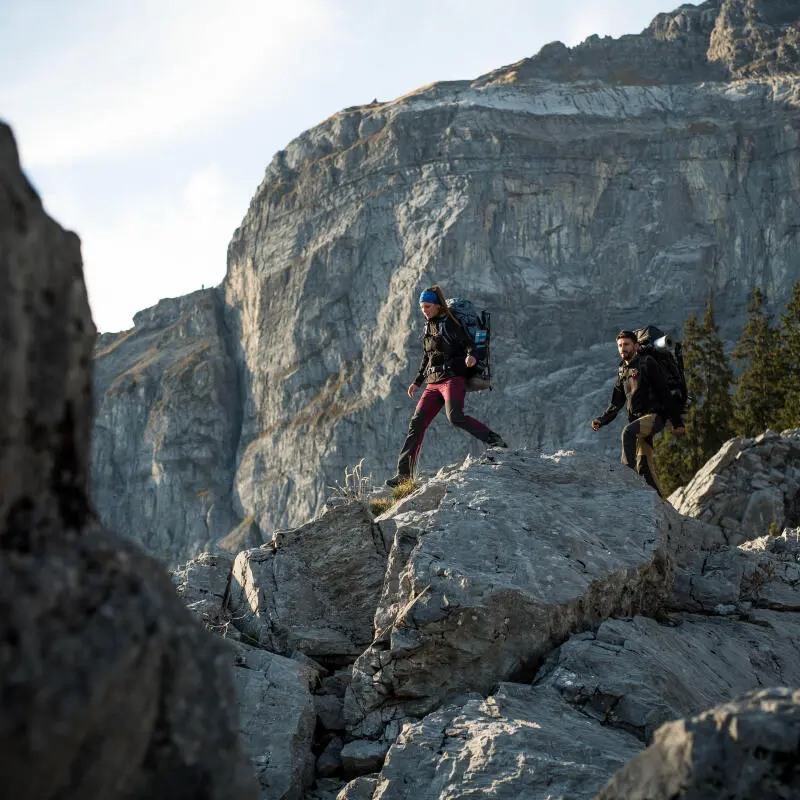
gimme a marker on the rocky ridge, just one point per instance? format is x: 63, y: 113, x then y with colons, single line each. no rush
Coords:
x: 582, y: 190
x: 540, y: 618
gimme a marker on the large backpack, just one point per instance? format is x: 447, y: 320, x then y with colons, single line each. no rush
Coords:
x: 478, y: 326
x: 668, y: 354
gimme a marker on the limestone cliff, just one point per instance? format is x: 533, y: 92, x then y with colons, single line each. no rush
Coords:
x: 582, y: 190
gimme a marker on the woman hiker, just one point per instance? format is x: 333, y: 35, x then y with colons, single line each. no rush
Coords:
x: 447, y: 357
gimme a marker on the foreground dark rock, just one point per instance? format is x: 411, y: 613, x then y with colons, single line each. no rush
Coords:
x: 743, y: 750
x: 108, y: 687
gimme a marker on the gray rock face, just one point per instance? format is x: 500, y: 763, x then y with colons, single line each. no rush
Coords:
x: 749, y: 486
x: 520, y: 742
x: 313, y: 589
x: 743, y: 750
x: 166, y: 428
x: 481, y: 588
x: 108, y: 688
x: 637, y: 674
x: 579, y: 191
x: 762, y: 573
x: 277, y: 720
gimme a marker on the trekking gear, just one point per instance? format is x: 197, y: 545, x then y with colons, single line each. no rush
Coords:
x: 668, y: 354
x: 479, y: 328
x: 396, y: 480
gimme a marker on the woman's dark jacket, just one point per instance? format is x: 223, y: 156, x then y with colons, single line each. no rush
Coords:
x: 446, y: 346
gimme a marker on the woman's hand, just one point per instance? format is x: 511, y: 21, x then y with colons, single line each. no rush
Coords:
x: 412, y: 390
x: 470, y: 361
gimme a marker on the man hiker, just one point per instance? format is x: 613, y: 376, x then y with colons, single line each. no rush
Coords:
x: 641, y: 386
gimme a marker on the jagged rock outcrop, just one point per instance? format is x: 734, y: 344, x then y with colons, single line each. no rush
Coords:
x: 108, y: 688
x: 582, y: 190
x: 751, y: 487
x: 313, y: 589
x: 531, y: 746
x: 743, y: 750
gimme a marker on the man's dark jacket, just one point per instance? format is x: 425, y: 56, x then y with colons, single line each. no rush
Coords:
x: 642, y: 387
x: 446, y: 345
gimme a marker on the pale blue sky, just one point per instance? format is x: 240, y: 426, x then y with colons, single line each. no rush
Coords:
x: 147, y: 125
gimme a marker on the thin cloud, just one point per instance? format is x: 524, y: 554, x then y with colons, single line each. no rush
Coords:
x: 153, y: 77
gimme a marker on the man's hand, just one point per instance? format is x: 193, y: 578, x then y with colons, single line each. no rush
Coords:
x: 596, y: 425
x: 679, y: 431
x: 412, y: 390
x: 470, y: 361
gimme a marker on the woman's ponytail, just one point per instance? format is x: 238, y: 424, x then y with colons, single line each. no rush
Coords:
x: 443, y: 303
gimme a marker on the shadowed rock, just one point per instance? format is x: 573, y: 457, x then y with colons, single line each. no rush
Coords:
x: 743, y: 750
x: 108, y: 688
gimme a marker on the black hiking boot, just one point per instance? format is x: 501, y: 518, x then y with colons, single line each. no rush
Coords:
x: 397, y: 480
x: 495, y: 440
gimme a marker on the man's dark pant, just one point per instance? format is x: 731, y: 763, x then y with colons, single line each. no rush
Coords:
x: 637, y: 446
x: 450, y: 395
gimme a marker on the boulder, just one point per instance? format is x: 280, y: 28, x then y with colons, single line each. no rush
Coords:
x: 313, y: 589
x: 522, y: 551
x: 637, y: 674
x: 277, y: 720
x: 751, y: 487
x: 742, y: 750
x: 761, y: 573
x: 109, y: 689
x: 520, y: 742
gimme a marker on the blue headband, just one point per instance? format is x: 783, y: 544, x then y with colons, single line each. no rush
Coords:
x: 429, y: 297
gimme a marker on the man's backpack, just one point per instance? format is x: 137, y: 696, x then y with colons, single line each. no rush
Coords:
x: 478, y: 326
x: 668, y: 354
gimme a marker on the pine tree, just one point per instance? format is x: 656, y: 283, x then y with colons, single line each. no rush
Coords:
x: 714, y: 417
x: 757, y: 400
x: 789, y: 414
x: 709, y: 418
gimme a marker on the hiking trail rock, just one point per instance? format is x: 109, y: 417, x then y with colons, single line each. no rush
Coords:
x: 520, y: 742
x: 108, y: 687
x: 484, y: 586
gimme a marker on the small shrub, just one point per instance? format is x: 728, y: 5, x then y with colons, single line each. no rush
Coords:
x: 774, y: 529
x: 381, y: 506
x: 357, y: 486
x: 406, y: 488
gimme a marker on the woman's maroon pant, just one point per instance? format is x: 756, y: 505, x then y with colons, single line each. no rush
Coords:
x: 450, y: 395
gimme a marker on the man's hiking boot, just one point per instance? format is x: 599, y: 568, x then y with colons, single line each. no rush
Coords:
x: 495, y: 440
x: 397, y: 480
